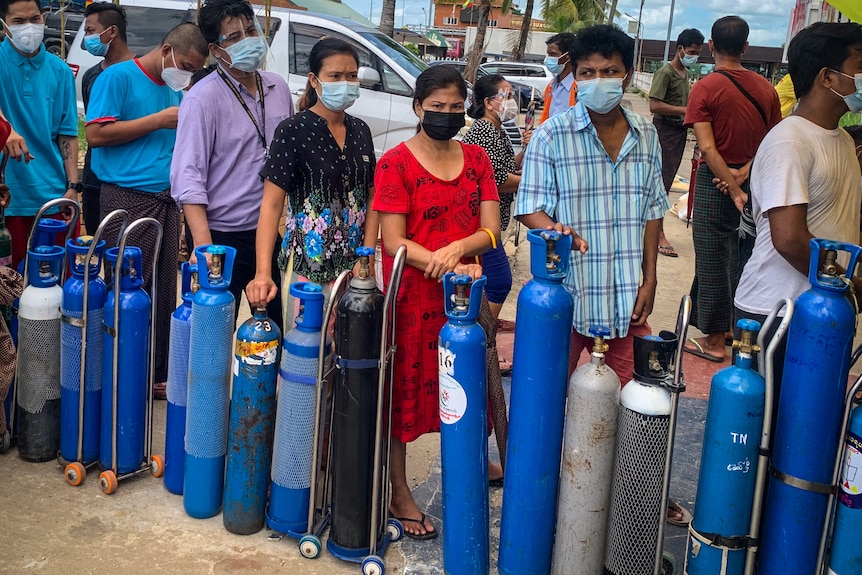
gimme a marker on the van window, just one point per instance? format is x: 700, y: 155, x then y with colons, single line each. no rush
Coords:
x: 303, y: 39
x: 535, y: 72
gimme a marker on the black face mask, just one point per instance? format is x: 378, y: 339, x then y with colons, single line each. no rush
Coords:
x: 442, y: 125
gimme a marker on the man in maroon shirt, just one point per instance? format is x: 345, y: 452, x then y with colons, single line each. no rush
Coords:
x: 731, y: 110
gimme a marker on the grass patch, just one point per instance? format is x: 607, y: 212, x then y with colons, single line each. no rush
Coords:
x: 82, y: 136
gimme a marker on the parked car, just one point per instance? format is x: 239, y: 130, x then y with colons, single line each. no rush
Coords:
x: 535, y: 75
x: 523, y: 92
x: 387, y: 72
x: 54, y: 40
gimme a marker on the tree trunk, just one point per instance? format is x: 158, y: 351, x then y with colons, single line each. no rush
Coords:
x: 612, y: 12
x: 387, y: 18
x: 475, y: 56
x: 521, y: 46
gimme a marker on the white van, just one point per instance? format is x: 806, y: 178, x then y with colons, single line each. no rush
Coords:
x: 387, y: 72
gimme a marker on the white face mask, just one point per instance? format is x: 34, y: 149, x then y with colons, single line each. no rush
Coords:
x: 26, y: 37
x: 176, y: 79
x: 509, y: 111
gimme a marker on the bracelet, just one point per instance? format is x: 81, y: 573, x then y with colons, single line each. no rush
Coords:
x: 490, y: 235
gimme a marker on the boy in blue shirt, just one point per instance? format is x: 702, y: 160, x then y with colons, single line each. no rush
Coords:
x: 131, y: 126
x: 38, y: 99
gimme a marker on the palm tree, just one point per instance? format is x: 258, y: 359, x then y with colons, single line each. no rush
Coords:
x: 387, y: 18
x: 571, y: 15
x: 478, y: 48
x: 518, y: 52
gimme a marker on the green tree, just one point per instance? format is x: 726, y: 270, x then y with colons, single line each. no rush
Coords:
x: 572, y: 15
x: 474, y: 56
x: 523, y: 36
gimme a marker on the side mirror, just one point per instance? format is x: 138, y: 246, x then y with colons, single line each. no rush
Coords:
x: 368, y: 77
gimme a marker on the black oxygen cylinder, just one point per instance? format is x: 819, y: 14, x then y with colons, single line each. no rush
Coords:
x: 358, y: 328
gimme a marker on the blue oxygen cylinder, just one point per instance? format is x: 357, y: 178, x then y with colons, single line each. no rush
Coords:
x: 71, y: 343
x: 294, y: 423
x: 538, y: 405
x: 846, y: 554
x: 178, y: 380
x: 252, y: 423
x: 38, y: 361
x: 718, y: 535
x: 810, y: 414
x: 210, y: 342
x: 464, y: 428
x: 132, y: 365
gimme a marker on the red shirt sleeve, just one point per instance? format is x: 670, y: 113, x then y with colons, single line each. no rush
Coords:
x: 697, y: 109
x: 5, y: 130
x: 390, y: 189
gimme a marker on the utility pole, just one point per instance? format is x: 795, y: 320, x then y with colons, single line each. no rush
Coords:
x: 669, y: 28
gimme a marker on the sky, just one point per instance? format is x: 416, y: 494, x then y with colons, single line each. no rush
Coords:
x: 768, y: 19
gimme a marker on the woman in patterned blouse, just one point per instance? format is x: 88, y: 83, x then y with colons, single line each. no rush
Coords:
x: 323, y: 160
x: 493, y: 104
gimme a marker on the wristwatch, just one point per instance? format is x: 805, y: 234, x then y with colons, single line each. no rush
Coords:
x: 77, y: 186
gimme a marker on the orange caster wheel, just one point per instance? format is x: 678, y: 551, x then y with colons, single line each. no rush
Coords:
x: 157, y: 465
x: 108, y: 482
x: 75, y: 473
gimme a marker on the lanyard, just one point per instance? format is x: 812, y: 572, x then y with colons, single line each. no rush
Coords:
x: 260, y: 132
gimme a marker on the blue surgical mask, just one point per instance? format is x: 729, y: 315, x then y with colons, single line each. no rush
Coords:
x: 338, y: 96
x: 94, y: 45
x: 601, y: 95
x: 853, y: 99
x: 688, y: 61
x: 552, y: 63
x: 247, y: 54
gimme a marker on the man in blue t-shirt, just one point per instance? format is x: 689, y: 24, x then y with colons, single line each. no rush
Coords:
x: 38, y: 99
x: 131, y: 126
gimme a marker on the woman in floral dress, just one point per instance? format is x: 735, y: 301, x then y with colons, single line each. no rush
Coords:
x: 437, y: 197
x: 323, y: 160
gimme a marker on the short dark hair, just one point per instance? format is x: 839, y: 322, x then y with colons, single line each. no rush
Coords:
x: 604, y: 39
x: 821, y: 45
x: 322, y: 50
x: 214, y: 11
x: 109, y: 14
x: 729, y: 35
x: 563, y: 40
x: 689, y: 37
x: 485, y: 87
x: 186, y: 37
x: 436, y: 78
x: 4, y: 6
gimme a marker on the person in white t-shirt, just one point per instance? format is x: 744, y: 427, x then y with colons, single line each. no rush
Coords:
x: 805, y: 177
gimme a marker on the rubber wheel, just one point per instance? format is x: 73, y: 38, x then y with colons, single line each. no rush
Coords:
x: 395, y: 530
x: 5, y: 441
x: 373, y: 565
x: 108, y: 482
x: 157, y: 465
x: 309, y: 546
x: 668, y: 564
x: 75, y: 473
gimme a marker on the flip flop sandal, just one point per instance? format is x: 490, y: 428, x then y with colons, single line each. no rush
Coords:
x: 677, y: 508
x: 699, y: 352
x: 668, y: 251
x: 418, y: 536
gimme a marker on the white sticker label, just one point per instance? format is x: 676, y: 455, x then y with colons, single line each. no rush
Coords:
x: 446, y: 360
x: 235, y: 367
x: 453, y: 400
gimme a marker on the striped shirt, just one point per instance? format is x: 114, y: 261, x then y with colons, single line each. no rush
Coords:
x: 569, y: 176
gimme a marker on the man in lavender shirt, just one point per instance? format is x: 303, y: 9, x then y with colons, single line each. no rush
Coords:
x: 226, y: 123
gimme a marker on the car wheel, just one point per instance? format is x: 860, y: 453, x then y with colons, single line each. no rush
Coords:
x: 53, y: 49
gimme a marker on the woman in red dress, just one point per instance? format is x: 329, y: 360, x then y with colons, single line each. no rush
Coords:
x: 438, y: 197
